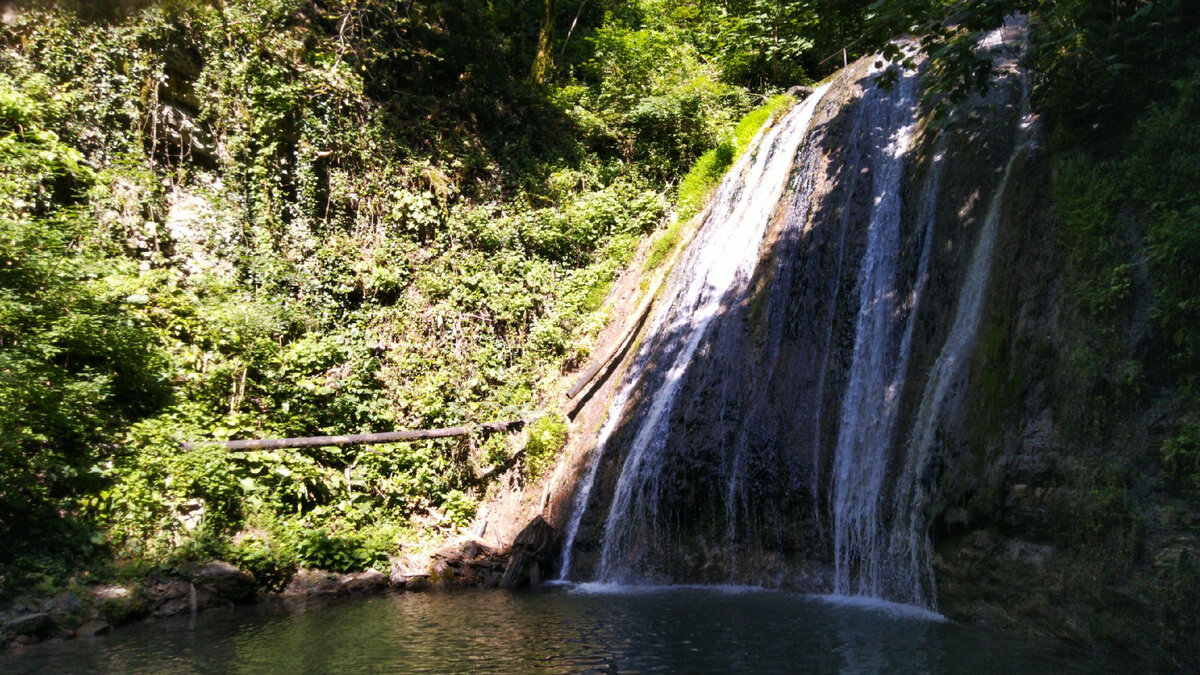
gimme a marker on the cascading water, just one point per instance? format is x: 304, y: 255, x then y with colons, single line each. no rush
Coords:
x: 910, y: 546
x: 720, y: 259
x: 773, y: 427
x: 877, y: 370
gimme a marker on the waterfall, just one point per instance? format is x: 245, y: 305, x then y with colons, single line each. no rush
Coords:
x: 910, y: 544
x: 720, y: 260
x: 871, y: 400
x: 723, y: 256
x: 769, y: 427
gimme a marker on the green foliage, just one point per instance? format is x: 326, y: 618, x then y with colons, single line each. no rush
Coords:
x: 547, y: 437
x: 765, y: 41
x: 348, y: 553
x: 754, y: 120
x: 1088, y: 203
x: 77, y: 364
x: 704, y: 175
x: 271, y: 564
x: 1096, y: 64
x: 1181, y: 452
x: 708, y: 170
x: 272, y: 218
x: 763, y: 44
x: 653, y: 97
x: 265, y: 218
x: 459, y: 507
x: 1126, y: 212
x: 662, y: 246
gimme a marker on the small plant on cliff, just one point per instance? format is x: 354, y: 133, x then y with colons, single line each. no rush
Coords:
x: 547, y: 436
x: 460, y: 507
x: 1182, y: 453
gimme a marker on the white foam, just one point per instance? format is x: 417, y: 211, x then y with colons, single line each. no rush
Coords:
x: 608, y: 588
x: 893, y: 609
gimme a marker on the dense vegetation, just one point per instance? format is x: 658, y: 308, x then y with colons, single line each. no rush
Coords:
x: 246, y: 218
x: 288, y: 217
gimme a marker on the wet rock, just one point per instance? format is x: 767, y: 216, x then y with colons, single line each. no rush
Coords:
x: 223, y: 582
x: 169, y: 598
x: 1027, y: 552
x: 182, y: 135
x: 1178, y: 554
x: 93, y: 629
x: 418, y: 583
x: 313, y: 582
x: 362, y: 583
x: 64, y: 604
x: 121, y: 604
x: 441, y: 574
x: 33, y: 625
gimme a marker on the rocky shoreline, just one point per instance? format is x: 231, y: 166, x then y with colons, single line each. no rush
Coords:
x: 92, y: 611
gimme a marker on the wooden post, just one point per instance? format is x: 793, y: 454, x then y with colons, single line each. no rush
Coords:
x: 845, y: 62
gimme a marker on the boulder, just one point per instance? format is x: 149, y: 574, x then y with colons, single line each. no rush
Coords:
x: 417, y: 583
x: 121, y: 604
x: 313, y: 582
x: 33, y: 625
x: 170, y: 598
x: 93, y: 628
x: 221, y: 582
x: 363, y: 583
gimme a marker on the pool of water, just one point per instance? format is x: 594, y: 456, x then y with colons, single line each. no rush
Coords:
x: 569, y: 628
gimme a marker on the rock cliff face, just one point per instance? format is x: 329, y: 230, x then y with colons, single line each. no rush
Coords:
x: 888, y: 400
x: 1051, y: 512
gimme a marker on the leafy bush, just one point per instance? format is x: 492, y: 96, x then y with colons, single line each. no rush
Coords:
x: 322, y: 550
x: 271, y: 564
x: 459, y: 507
x: 547, y: 436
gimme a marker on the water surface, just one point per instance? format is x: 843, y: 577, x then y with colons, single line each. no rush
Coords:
x: 585, y: 627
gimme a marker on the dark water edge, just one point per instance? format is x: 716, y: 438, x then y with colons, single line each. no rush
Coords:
x: 578, y: 628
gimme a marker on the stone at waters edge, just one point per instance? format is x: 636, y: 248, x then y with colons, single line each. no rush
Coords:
x: 225, y: 582
x: 34, y: 625
x: 320, y: 582
x: 531, y: 552
x: 93, y: 628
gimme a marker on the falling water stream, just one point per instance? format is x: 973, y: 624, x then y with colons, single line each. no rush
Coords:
x: 722, y: 256
x: 870, y: 403
x: 869, y: 228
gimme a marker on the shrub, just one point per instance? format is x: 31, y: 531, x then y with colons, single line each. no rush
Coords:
x: 547, y: 436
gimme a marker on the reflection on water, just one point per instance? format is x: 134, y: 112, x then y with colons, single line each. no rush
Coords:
x: 557, y: 629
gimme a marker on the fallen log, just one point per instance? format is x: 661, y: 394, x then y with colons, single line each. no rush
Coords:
x: 608, y: 360
x: 360, y: 439
x: 631, y: 330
